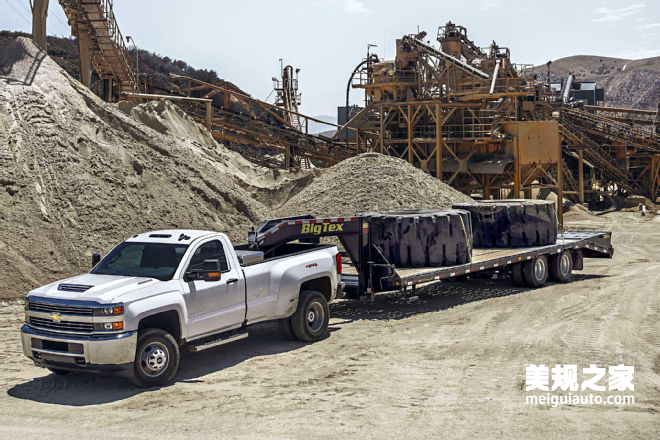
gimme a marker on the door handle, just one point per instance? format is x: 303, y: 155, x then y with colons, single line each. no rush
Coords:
x: 232, y: 280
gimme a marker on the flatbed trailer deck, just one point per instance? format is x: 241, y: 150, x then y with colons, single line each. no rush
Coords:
x: 582, y: 244
x: 369, y: 272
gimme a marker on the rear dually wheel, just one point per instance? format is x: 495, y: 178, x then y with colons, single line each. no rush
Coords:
x: 310, y: 320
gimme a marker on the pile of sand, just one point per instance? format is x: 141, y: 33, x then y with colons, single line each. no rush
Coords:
x: 78, y: 175
x: 370, y: 182
x: 267, y: 185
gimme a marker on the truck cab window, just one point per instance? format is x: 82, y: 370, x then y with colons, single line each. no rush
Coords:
x: 154, y: 260
x: 211, y: 250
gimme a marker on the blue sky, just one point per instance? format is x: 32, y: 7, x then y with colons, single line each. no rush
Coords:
x: 243, y: 40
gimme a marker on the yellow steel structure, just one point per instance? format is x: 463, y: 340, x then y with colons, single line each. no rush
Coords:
x: 465, y: 115
x: 240, y: 119
x: 101, y: 47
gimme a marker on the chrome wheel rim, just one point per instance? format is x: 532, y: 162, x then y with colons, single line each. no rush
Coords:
x: 154, y: 359
x: 315, y: 316
x: 565, y: 264
x: 539, y: 269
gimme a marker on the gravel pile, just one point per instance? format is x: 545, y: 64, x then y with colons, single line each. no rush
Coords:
x: 77, y: 175
x: 370, y: 182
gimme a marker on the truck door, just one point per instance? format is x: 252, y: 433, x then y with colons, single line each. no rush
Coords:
x: 214, y: 306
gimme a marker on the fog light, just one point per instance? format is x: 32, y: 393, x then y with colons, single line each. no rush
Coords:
x: 107, y: 326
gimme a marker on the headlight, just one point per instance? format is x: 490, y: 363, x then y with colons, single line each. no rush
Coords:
x: 109, y: 311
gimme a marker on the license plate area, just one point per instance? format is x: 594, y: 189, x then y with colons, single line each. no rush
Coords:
x: 64, y: 347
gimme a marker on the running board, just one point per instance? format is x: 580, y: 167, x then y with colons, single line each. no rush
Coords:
x: 212, y: 341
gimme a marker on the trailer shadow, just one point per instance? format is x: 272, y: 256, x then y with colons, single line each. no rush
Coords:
x: 78, y: 389
x: 431, y: 298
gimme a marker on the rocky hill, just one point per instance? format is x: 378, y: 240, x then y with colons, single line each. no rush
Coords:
x: 627, y: 83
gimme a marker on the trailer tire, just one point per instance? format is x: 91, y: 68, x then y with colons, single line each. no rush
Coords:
x: 156, y: 358
x: 286, y: 329
x: 512, y: 223
x: 536, y: 271
x: 423, y: 238
x: 309, y: 323
x: 561, y: 267
x: 517, y: 275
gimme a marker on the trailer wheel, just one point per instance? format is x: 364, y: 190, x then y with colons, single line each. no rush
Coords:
x: 536, y: 271
x: 156, y: 358
x: 561, y: 267
x: 517, y: 275
x: 310, y: 320
x: 285, y: 328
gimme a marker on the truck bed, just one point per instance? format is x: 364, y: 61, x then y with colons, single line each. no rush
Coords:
x: 594, y: 245
x: 249, y: 257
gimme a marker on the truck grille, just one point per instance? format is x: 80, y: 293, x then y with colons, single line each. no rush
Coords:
x: 62, y: 309
x: 65, y: 326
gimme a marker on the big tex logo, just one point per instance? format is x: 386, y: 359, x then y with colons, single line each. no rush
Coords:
x: 322, y: 228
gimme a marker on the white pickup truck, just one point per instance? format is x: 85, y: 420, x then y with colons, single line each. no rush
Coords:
x: 159, y: 291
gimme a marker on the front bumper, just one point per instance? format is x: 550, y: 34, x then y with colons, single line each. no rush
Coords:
x: 107, y: 352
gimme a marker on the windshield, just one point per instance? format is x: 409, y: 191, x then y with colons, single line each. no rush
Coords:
x: 152, y: 260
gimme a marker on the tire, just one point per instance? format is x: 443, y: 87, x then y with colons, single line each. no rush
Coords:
x: 58, y: 371
x: 423, y: 238
x: 156, y: 358
x: 535, y: 271
x: 310, y: 321
x: 561, y: 267
x: 517, y: 275
x: 286, y: 329
x: 512, y: 223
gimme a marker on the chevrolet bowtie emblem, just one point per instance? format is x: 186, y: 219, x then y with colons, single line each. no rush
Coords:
x: 56, y: 317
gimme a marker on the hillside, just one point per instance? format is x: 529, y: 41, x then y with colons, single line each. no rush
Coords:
x: 627, y: 83
x: 64, y: 51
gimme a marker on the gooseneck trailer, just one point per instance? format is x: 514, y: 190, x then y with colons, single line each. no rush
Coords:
x: 370, y: 271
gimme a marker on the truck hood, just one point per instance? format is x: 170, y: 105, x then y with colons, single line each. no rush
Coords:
x: 102, y: 288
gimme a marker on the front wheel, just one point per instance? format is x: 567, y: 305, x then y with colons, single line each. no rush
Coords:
x: 310, y: 320
x: 286, y: 329
x: 156, y: 358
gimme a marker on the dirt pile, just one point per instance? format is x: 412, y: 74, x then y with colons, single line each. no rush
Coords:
x: 168, y: 119
x: 78, y: 174
x: 370, y: 182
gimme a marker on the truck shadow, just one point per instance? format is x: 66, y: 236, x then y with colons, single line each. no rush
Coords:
x: 265, y: 340
x: 432, y: 298
x: 88, y: 389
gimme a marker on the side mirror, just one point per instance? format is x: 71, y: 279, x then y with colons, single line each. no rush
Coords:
x: 96, y: 257
x: 209, y: 271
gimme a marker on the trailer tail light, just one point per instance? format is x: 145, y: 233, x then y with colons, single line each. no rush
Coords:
x: 338, y: 263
